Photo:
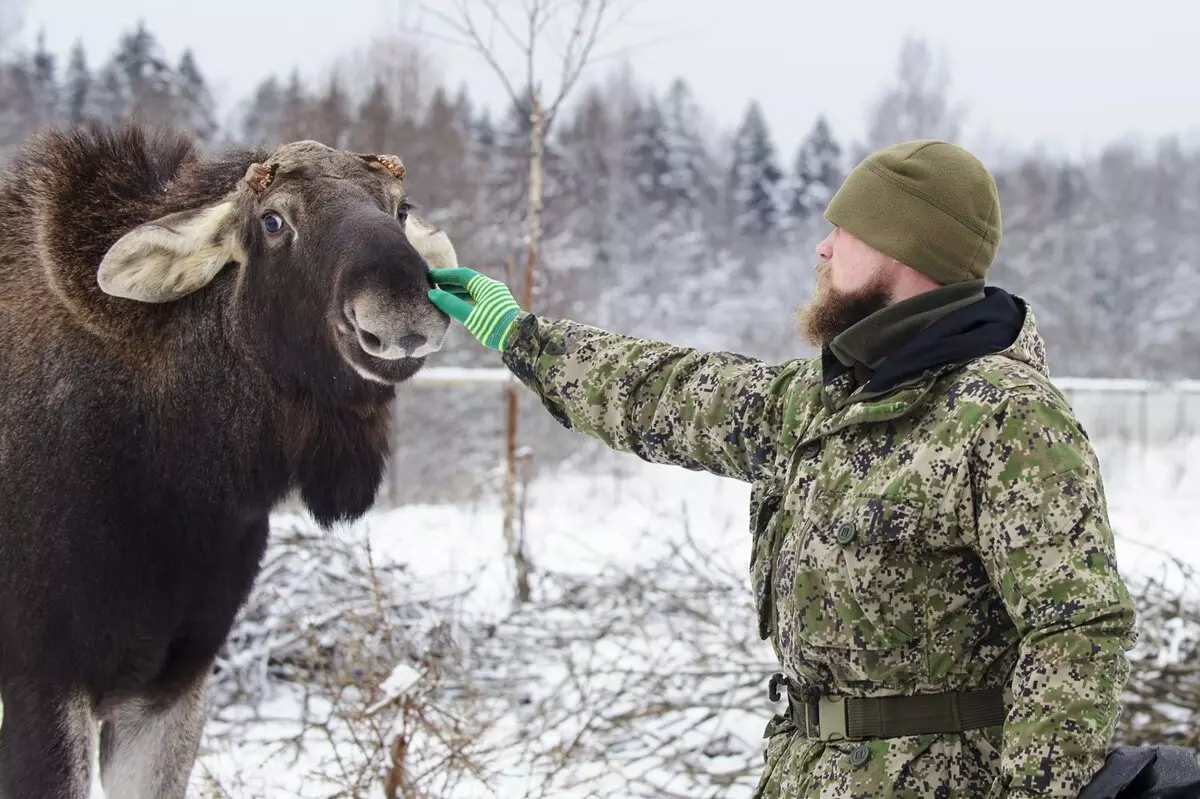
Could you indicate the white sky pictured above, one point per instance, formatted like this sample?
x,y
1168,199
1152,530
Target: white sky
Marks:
x,y
1066,74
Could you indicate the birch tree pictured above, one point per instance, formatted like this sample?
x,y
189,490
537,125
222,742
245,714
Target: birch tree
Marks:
x,y
563,32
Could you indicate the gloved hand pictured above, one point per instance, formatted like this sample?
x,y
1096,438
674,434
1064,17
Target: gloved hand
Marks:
x,y
490,318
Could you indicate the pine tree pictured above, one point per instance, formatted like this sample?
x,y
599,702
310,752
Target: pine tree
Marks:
x,y
917,105
754,176
20,104
295,115
464,108
585,139
331,122
147,75
107,98
816,174
136,83
195,108
375,118
442,153
262,119
27,94
76,87
690,177
43,68
649,156
508,160
483,132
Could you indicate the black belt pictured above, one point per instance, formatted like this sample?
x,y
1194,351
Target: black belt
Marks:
x,y
855,718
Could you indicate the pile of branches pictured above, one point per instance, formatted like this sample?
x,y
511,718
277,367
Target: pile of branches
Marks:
x,y
342,659
637,681
643,682
1162,699
323,608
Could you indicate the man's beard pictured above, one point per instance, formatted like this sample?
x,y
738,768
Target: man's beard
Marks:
x,y
831,312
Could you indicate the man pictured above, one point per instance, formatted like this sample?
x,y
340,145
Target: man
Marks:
x,y
931,554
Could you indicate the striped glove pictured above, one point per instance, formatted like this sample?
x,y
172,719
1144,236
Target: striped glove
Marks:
x,y
494,311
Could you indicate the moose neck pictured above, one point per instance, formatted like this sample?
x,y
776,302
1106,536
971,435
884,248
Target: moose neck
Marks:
x,y
274,436
341,456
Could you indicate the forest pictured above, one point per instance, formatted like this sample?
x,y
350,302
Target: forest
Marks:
x,y
660,223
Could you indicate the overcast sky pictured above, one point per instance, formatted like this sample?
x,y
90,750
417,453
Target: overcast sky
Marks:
x,y
1068,74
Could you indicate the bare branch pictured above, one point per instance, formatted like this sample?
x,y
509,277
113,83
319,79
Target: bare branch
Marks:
x,y
498,19
530,67
590,21
465,26
569,51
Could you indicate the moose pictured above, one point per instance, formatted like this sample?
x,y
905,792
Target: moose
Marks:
x,y
186,340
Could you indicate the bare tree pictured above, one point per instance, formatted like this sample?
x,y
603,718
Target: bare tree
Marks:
x,y
566,31
917,104
402,65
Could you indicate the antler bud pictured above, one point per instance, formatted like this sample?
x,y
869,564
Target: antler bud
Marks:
x,y
393,164
259,176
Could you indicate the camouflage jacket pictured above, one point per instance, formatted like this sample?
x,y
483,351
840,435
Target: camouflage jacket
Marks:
x,y
950,533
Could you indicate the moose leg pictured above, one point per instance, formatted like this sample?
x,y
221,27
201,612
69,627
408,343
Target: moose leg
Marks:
x,y
46,742
148,747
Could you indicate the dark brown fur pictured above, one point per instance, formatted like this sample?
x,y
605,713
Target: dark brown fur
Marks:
x,y
142,446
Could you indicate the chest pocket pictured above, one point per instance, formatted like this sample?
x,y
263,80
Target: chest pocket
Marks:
x,y
859,582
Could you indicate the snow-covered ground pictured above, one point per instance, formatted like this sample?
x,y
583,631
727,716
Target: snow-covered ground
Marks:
x,y
599,526
1153,503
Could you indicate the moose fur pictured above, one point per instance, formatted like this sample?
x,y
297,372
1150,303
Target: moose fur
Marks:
x,y
184,341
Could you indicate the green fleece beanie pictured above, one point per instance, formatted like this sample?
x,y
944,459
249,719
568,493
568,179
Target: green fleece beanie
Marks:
x,y
929,204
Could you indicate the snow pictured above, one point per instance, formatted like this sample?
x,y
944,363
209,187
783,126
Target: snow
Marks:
x,y
456,375
593,528
1154,498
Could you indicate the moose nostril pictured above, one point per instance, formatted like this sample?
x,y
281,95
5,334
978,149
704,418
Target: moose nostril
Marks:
x,y
410,342
370,341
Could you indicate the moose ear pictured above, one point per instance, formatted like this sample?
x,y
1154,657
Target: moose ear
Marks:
x,y
391,162
431,242
171,257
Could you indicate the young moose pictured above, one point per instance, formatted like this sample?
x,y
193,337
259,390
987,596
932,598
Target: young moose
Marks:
x,y
185,341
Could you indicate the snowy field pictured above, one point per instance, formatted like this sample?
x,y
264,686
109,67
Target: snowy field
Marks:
x,y
639,683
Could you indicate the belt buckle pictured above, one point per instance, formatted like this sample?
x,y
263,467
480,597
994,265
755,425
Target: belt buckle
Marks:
x,y
804,716
820,717
831,719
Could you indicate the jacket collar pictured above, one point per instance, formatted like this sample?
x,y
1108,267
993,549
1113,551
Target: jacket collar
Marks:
x,y
1000,323
865,346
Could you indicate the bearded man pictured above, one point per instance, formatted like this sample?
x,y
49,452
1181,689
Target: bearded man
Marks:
x,y
931,554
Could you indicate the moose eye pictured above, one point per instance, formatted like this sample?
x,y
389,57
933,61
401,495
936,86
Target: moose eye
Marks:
x,y
273,222
402,211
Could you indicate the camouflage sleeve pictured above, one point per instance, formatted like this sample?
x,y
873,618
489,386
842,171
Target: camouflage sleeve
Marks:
x,y
717,412
1042,529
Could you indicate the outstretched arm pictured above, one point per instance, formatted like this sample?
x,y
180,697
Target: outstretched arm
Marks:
x,y
1042,529
716,411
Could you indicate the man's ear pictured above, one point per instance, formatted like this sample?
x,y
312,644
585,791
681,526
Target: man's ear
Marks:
x,y
170,257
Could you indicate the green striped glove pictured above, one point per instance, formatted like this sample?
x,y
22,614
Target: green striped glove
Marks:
x,y
492,315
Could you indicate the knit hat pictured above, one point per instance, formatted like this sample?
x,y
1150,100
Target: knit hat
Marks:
x,y
929,204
